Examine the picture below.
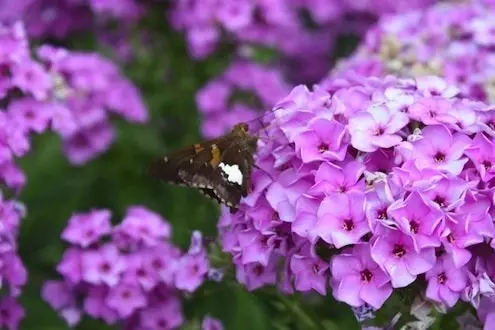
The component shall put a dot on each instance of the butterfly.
(219, 168)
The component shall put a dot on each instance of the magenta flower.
(309, 273)
(103, 266)
(11, 313)
(341, 219)
(167, 315)
(432, 111)
(440, 149)
(283, 194)
(141, 226)
(482, 154)
(191, 271)
(254, 275)
(357, 279)
(324, 140)
(331, 178)
(418, 219)
(86, 229)
(376, 128)
(397, 256)
(447, 193)
(125, 299)
(445, 282)
(457, 236)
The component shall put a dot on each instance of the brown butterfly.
(218, 168)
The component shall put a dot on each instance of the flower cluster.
(13, 273)
(129, 273)
(302, 32)
(452, 40)
(238, 95)
(88, 88)
(60, 18)
(274, 23)
(368, 186)
(71, 93)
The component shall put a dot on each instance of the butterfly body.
(219, 168)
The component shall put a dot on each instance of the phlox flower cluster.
(238, 94)
(368, 186)
(303, 32)
(13, 273)
(71, 93)
(88, 88)
(454, 40)
(130, 274)
(60, 18)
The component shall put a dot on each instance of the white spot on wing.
(232, 172)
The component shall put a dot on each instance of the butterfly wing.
(167, 168)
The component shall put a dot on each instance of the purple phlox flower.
(11, 313)
(378, 200)
(397, 99)
(88, 143)
(235, 15)
(331, 178)
(457, 236)
(479, 285)
(382, 160)
(167, 315)
(95, 304)
(432, 111)
(324, 140)
(191, 271)
(376, 128)
(256, 246)
(30, 77)
(139, 270)
(103, 266)
(283, 193)
(30, 114)
(306, 217)
(464, 112)
(482, 154)
(263, 217)
(477, 207)
(85, 229)
(435, 86)
(209, 323)
(341, 219)
(440, 149)
(411, 177)
(126, 298)
(350, 100)
(141, 227)
(448, 193)
(15, 273)
(254, 275)
(71, 266)
(395, 253)
(482, 29)
(445, 282)
(310, 272)
(357, 279)
(58, 295)
(261, 181)
(162, 261)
